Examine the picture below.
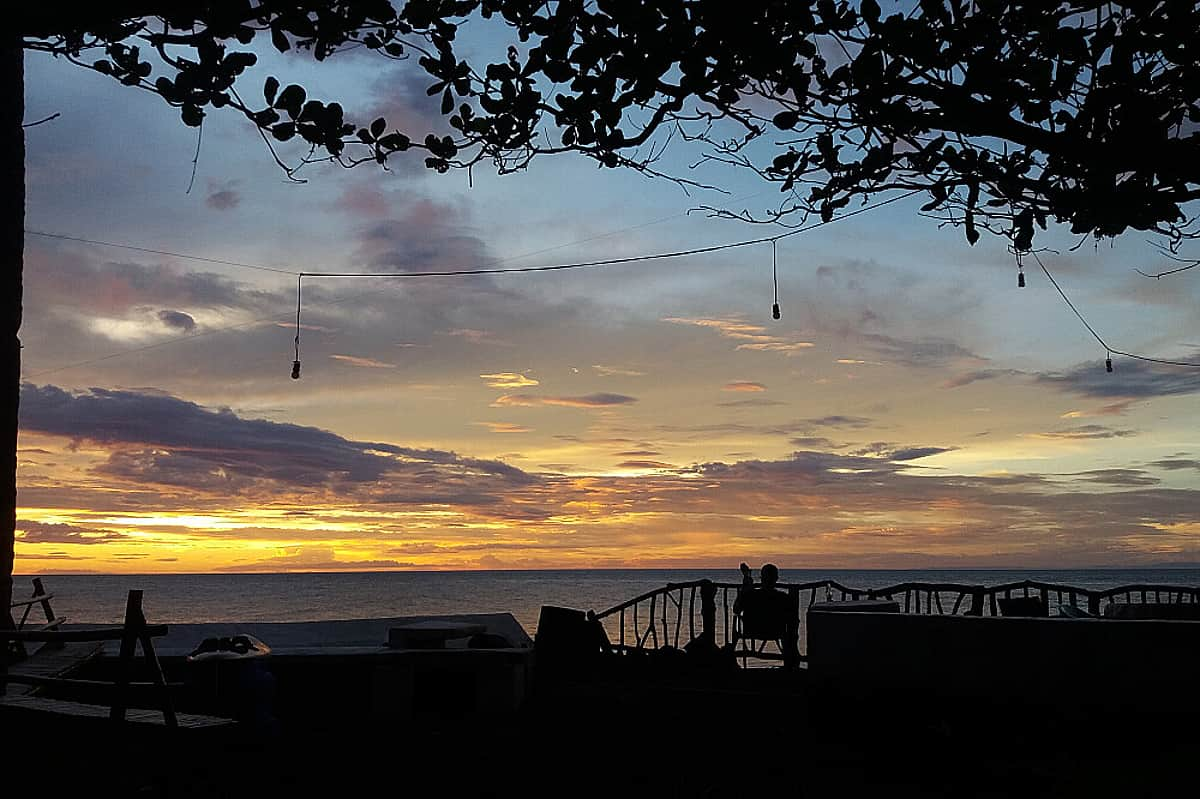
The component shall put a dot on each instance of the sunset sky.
(912, 408)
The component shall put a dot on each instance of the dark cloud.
(814, 442)
(1118, 477)
(753, 402)
(967, 378)
(837, 420)
(1088, 432)
(53, 278)
(1175, 464)
(49, 533)
(645, 465)
(1130, 379)
(927, 351)
(597, 400)
(177, 320)
(223, 200)
(163, 439)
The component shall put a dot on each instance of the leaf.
(280, 40)
(972, 232)
(192, 115)
(870, 11)
(270, 89)
(378, 126)
(284, 131)
(395, 141)
(291, 99)
(786, 120)
(447, 101)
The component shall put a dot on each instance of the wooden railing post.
(791, 639)
(976, 601)
(134, 621)
(1094, 604)
(708, 611)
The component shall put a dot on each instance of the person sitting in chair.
(763, 608)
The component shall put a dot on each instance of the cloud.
(504, 427)
(645, 464)
(1129, 380)
(160, 439)
(597, 400)
(753, 402)
(837, 420)
(33, 532)
(1086, 432)
(1118, 477)
(814, 442)
(743, 385)
(921, 352)
(224, 200)
(1111, 409)
(177, 320)
(508, 380)
(751, 337)
(367, 363)
(967, 378)
(1176, 463)
(616, 371)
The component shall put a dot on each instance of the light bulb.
(1108, 364)
(775, 311)
(295, 370)
(1020, 280)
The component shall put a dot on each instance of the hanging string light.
(296, 363)
(774, 279)
(1108, 363)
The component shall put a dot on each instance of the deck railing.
(678, 613)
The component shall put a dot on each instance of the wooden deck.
(54, 660)
(60, 707)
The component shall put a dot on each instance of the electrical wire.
(136, 248)
(729, 245)
(1097, 336)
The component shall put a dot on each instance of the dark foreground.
(748, 734)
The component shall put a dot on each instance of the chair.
(760, 618)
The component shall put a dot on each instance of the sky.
(912, 408)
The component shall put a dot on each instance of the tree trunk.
(12, 243)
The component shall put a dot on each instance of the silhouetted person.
(764, 607)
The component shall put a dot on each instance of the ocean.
(198, 598)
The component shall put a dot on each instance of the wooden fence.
(681, 612)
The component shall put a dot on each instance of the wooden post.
(12, 245)
(791, 641)
(1094, 604)
(976, 601)
(129, 639)
(708, 611)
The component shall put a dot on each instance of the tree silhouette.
(1009, 115)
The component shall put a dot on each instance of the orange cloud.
(504, 427)
(368, 363)
(752, 337)
(743, 385)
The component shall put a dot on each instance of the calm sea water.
(189, 598)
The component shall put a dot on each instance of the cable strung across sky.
(484, 270)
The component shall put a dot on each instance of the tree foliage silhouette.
(1009, 115)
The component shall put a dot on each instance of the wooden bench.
(39, 597)
(134, 632)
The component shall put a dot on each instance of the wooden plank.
(94, 634)
(59, 707)
(52, 662)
